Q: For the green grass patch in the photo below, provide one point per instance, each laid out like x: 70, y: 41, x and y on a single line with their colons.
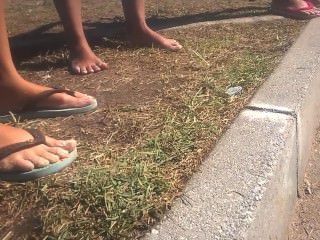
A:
x: 138, y: 152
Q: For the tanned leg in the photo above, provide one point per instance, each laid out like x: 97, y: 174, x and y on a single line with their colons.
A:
x: 15, y: 91
x: 138, y: 30
x: 82, y: 58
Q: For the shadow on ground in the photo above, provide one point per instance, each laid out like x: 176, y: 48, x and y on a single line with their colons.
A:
x: 42, y: 39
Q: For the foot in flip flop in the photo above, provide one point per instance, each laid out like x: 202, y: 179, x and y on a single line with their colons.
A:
x: 28, y: 155
x: 300, y: 9
x: 83, y: 60
x: 28, y: 100
x: 147, y: 37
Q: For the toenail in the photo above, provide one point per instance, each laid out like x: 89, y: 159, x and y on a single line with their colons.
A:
x: 63, y: 152
x: 62, y: 143
x: 45, y: 163
x: 90, y: 97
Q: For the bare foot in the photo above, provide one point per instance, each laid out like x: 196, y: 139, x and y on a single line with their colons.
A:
x: 148, y: 37
x: 35, y: 157
x: 15, y: 93
x: 84, y: 61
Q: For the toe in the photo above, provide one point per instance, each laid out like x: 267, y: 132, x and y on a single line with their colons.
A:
x: 96, y: 68
x: 16, y: 163
x: 51, y: 155
x: 69, y: 145
x: 37, y: 160
x: 103, y: 65
x: 83, y: 70
x: 90, y: 69
x: 76, y: 69
x: 67, y: 101
x: 23, y: 165
x: 85, y: 99
x: 176, y: 45
x: 81, y: 102
x: 82, y: 95
x: 59, y: 152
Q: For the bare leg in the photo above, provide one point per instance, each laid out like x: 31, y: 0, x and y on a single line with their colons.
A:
x: 139, y: 32
x: 15, y: 91
x: 83, y: 60
x: 35, y: 157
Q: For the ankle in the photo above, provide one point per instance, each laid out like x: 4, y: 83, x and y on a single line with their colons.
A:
x: 139, y: 28
x: 79, y: 46
x: 7, y: 68
x: 9, y: 76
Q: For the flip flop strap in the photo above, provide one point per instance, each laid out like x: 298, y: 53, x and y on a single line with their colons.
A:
x: 31, y: 105
x: 38, y: 139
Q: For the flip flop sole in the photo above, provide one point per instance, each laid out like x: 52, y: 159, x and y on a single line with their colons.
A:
x: 49, y: 113
x: 40, y: 172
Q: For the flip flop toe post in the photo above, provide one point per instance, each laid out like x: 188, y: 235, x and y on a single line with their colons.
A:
x: 36, y: 173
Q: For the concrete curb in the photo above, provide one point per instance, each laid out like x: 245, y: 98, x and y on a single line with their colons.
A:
x: 22, y: 42
x: 247, y: 187
x: 241, y: 20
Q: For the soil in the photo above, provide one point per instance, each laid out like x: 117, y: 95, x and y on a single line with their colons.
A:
x: 306, y: 220
x: 24, y: 16
x: 170, y: 104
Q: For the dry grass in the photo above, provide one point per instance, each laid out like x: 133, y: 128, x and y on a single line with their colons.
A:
x: 160, y: 114
x: 27, y: 15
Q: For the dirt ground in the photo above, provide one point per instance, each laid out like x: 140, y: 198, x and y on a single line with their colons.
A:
x: 24, y: 16
x: 306, y: 221
x: 159, y: 114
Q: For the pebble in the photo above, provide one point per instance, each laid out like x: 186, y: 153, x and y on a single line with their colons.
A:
x: 233, y: 91
x: 155, y: 231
